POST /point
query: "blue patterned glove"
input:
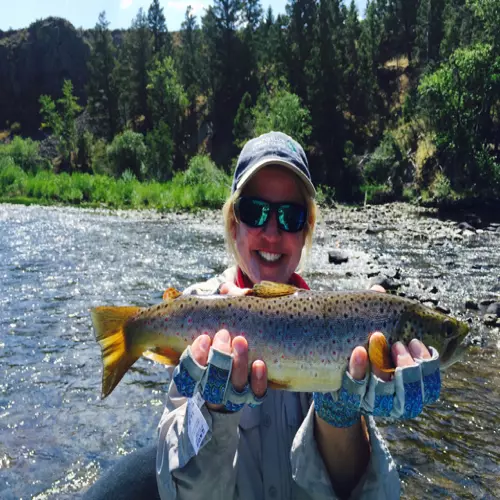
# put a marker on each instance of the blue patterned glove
(341, 408)
(403, 397)
(212, 381)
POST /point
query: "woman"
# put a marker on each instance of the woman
(288, 446)
(283, 445)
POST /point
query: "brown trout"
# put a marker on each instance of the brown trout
(304, 337)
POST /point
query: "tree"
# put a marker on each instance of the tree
(102, 87)
(229, 74)
(157, 24)
(488, 13)
(243, 128)
(135, 62)
(161, 152)
(60, 117)
(300, 43)
(167, 99)
(429, 30)
(281, 110)
(191, 69)
(459, 102)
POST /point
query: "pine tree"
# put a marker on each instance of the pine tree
(189, 59)
(102, 89)
(135, 62)
(228, 73)
(325, 89)
(60, 117)
(429, 30)
(158, 25)
(300, 43)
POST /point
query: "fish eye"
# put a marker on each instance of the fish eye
(448, 328)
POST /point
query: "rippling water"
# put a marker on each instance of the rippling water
(55, 263)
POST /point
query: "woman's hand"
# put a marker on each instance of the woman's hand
(238, 347)
(343, 408)
(402, 356)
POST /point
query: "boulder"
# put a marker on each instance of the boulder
(494, 309)
(337, 257)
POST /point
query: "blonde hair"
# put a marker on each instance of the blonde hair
(230, 226)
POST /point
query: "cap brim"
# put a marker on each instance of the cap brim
(265, 162)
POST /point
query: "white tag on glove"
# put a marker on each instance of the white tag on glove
(197, 425)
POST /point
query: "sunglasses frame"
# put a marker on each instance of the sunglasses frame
(273, 207)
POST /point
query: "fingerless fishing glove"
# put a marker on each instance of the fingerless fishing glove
(403, 397)
(212, 381)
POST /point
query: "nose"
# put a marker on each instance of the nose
(271, 230)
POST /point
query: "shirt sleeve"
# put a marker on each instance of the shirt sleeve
(183, 475)
(180, 473)
(380, 481)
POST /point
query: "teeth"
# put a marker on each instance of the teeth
(270, 257)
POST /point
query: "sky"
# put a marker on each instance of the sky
(83, 14)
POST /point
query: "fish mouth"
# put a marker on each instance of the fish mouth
(454, 351)
(449, 350)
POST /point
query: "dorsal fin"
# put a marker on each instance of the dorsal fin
(171, 294)
(269, 289)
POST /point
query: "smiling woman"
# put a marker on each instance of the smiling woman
(253, 439)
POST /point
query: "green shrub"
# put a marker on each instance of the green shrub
(12, 177)
(160, 153)
(202, 171)
(128, 152)
(100, 160)
(84, 183)
(387, 165)
(24, 153)
(85, 149)
(440, 190)
(281, 110)
(325, 195)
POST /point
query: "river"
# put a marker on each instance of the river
(57, 436)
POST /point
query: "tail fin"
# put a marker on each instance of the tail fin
(117, 357)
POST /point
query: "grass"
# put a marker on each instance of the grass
(45, 187)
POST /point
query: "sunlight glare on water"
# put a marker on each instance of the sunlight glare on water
(56, 263)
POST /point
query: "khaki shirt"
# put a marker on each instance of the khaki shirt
(268, 452)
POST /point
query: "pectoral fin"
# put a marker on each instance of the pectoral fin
(380, 354)
(164, 356)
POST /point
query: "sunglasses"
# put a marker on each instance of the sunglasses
(255, 212)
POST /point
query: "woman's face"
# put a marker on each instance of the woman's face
(269, 253)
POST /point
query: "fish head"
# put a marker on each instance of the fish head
(444, 333)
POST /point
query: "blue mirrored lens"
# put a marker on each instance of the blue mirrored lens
(255, 213)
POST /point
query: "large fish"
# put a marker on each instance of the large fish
(304, 337)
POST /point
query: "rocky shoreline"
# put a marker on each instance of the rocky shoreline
(430, 231)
